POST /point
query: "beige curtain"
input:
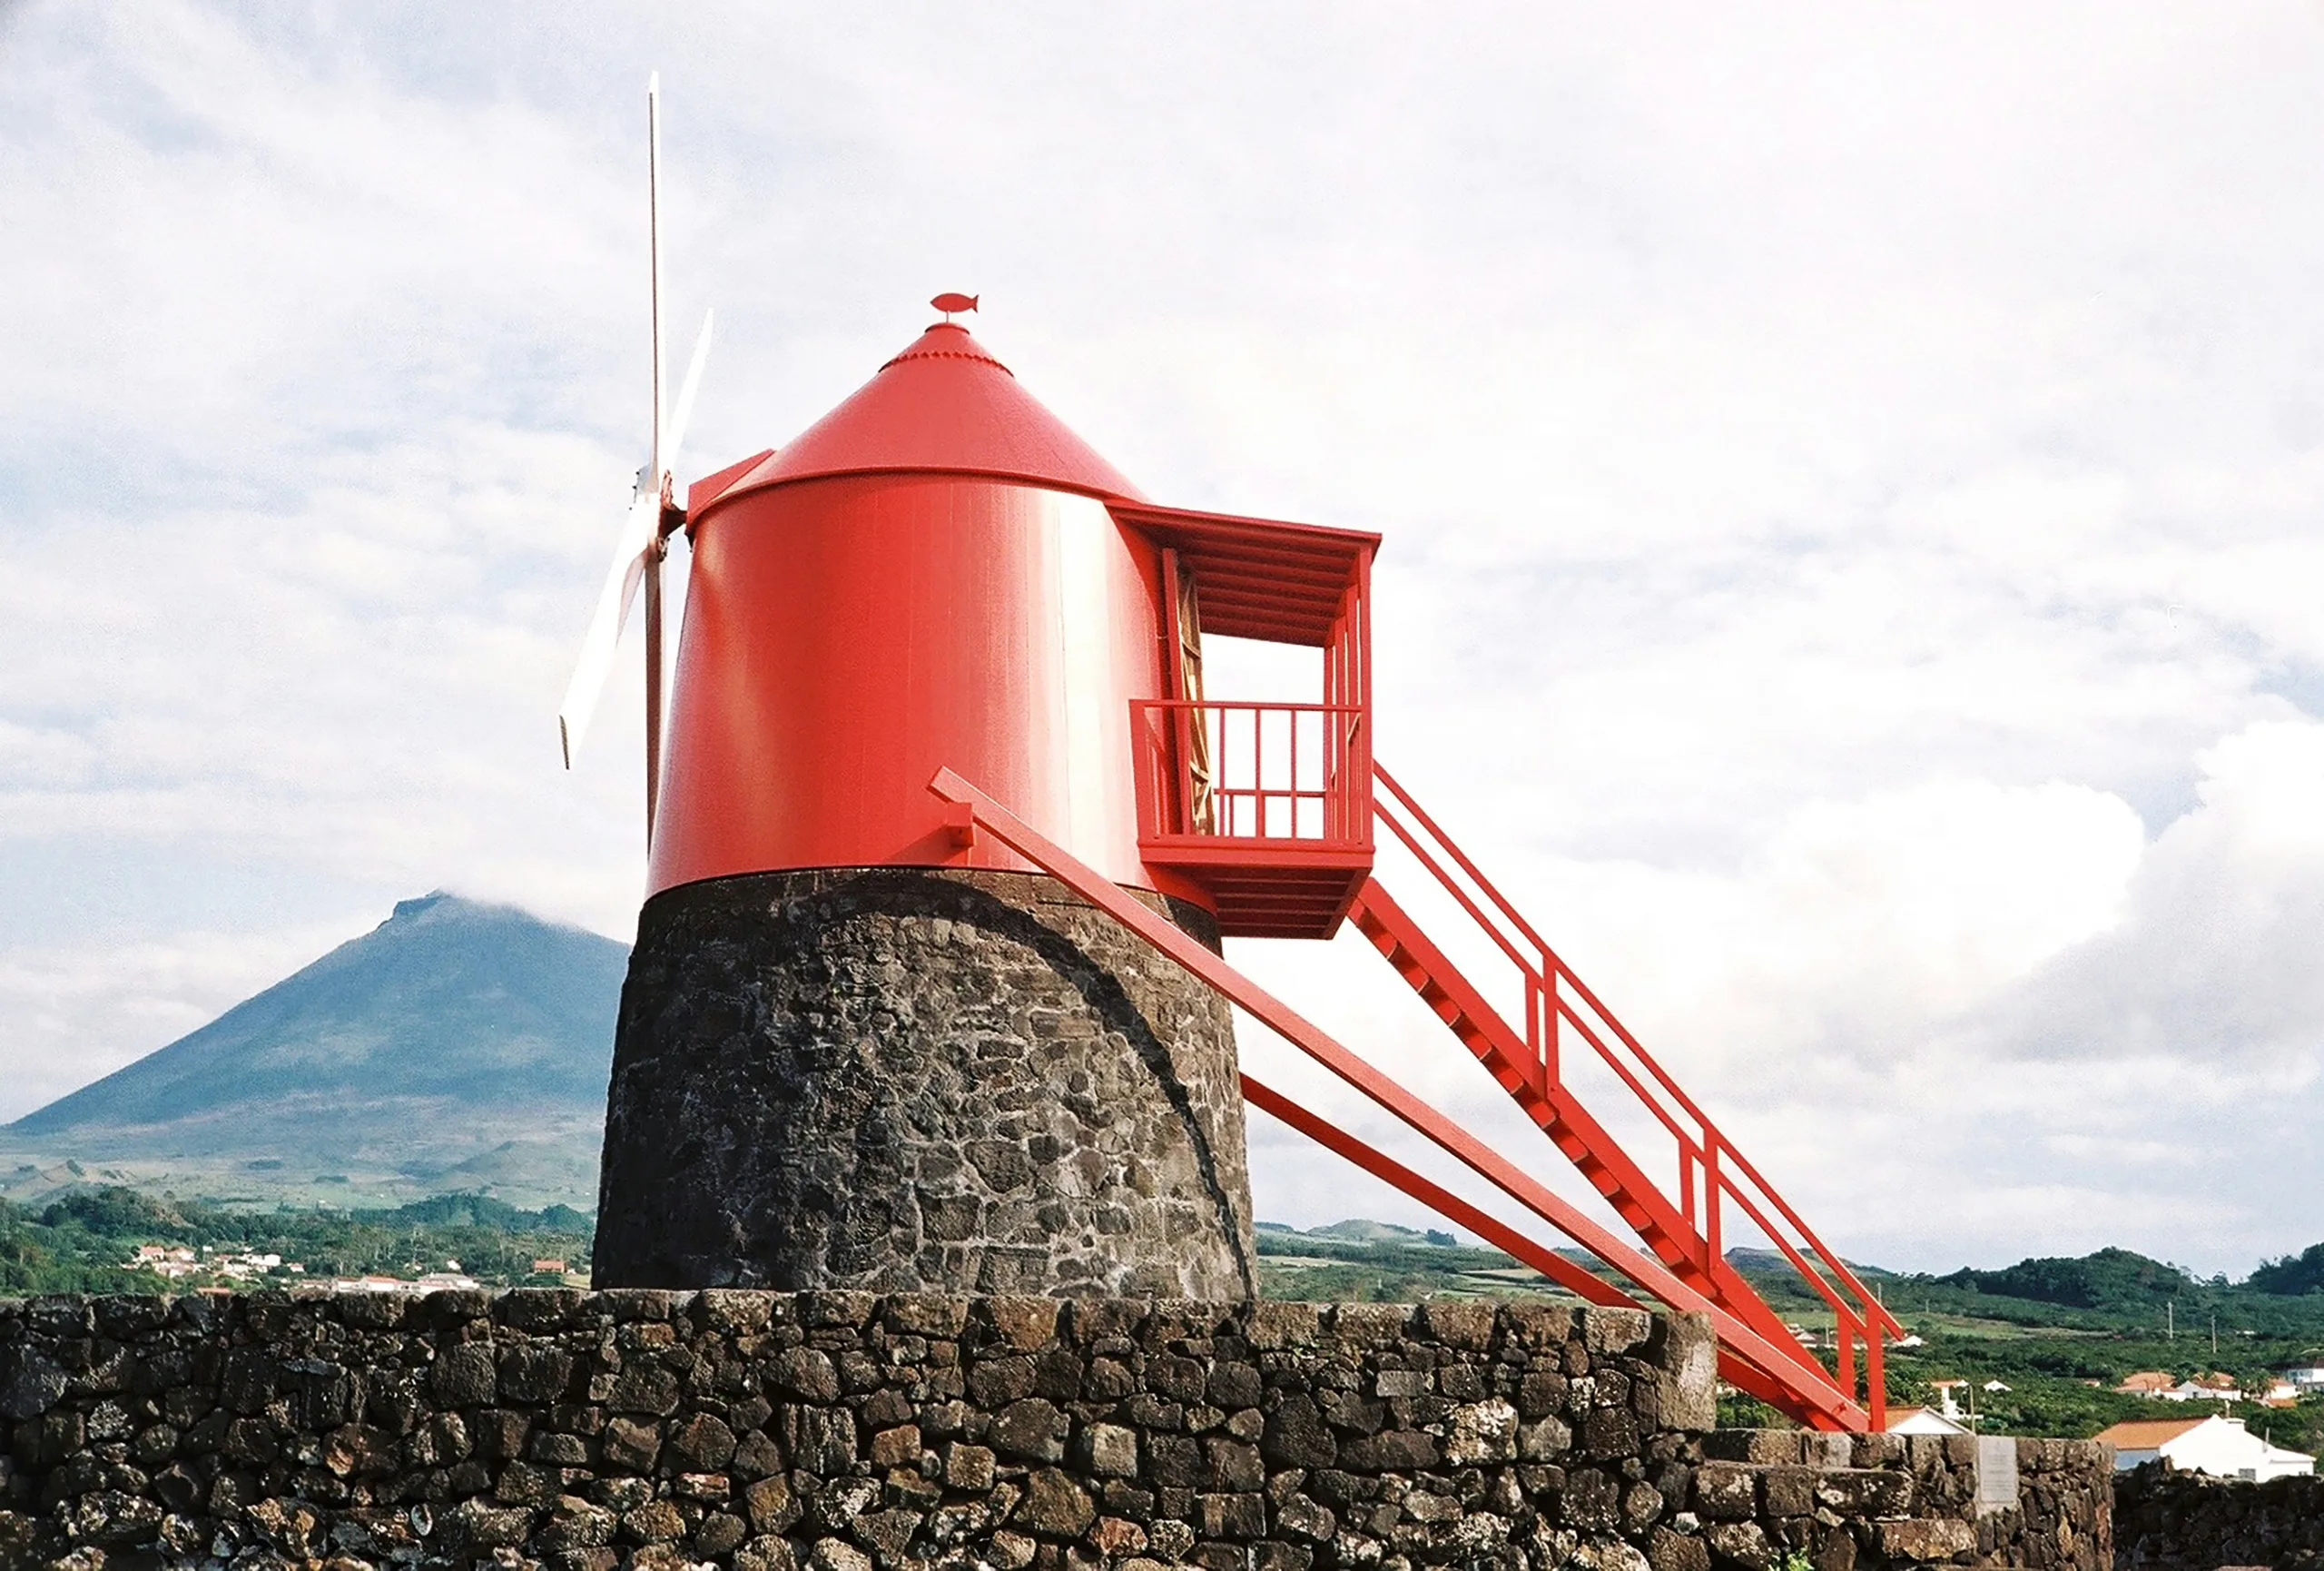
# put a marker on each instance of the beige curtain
(1201, 814)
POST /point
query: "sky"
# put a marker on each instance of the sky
(1850, 475)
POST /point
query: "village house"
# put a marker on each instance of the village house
(1921, 1421)
(167, 1262)
(2210, 1388)
(2160, 1387)
(2220, 1446)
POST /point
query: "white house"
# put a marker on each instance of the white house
(2222, 1448)
(2307, 1379)
(443, 1281)
(1921, 1421)
(2211, 1388)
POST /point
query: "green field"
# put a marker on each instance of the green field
(2059, 1333)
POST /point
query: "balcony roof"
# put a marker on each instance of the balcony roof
(1259, 577)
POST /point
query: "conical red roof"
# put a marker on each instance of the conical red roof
(942, 404)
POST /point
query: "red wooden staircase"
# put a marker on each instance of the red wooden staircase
(1681, 1227)
(1553, 1106)
(1683, 1266)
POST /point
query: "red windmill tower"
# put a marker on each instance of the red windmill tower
(940, 778)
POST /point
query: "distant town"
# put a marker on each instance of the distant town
(117, 1240)
(208, 1268)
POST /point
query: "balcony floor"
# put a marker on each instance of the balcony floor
(1268, 888)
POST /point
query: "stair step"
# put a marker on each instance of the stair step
(1495, 1044)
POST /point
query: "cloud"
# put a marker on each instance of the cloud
(2214, 966)
(1849, 489)
(77, 1013)
(2086, 1035)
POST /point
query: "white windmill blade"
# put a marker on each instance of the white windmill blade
(658, 459)
(675, 434)
(603, 638)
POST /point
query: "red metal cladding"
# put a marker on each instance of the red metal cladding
(942, 405)
(928, 575)
(939, 572)
(845, 637)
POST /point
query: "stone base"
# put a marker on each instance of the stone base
(902, 1079)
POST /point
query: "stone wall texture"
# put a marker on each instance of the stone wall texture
(1848, 1500)
(903, 1079)
(842, 1431)
(2173, 1521)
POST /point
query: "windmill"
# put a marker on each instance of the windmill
(653, 517)
(930, 985)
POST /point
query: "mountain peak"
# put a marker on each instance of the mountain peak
(446, 1033)
(434, 897)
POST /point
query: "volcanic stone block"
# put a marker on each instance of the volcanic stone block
(898, 1079)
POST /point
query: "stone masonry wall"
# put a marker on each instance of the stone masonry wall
(903, 1080)
(841, 1431)
(1845, 1501)
(2166, 1520)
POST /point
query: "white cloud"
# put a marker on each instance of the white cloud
(76, 1013)
(1844, 473)
(2214, 970)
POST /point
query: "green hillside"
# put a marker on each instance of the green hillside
(2111, 1279)
(84, 1242)
(2058, 1333)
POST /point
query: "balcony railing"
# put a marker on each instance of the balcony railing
(1287, 775)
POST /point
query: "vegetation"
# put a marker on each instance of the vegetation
(1375, 1262)
(2299, 1274)
(79, 1242)
(2058, 1334)
(2111, 1279)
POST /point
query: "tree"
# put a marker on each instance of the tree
(2293, 1274)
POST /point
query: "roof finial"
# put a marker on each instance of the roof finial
(950, 303)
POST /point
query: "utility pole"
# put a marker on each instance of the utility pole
(2171, 1320)
(2214, 1334)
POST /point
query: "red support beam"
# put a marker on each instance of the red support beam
(1579, 1280)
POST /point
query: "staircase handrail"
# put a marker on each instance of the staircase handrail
(1707, 1146)
(1821, 1401)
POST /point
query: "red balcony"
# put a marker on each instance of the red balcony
(1267, 806)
